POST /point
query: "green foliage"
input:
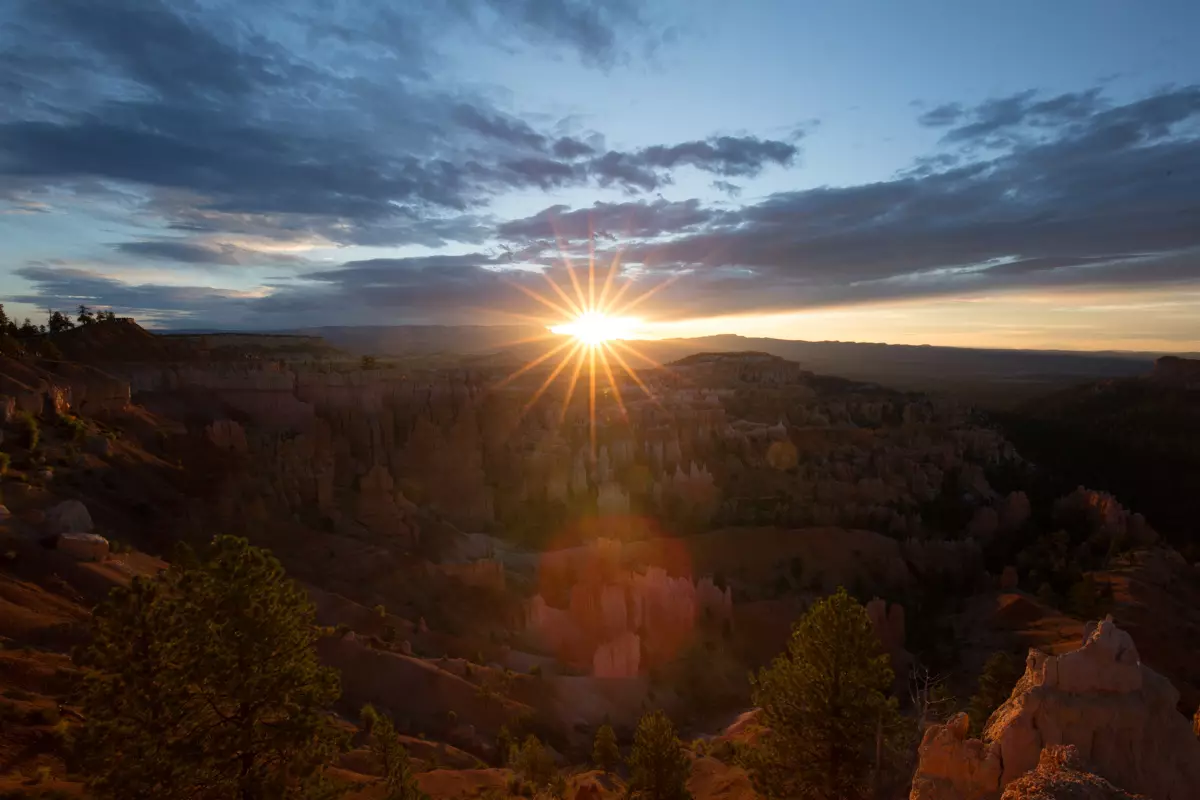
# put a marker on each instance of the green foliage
(204, 683)
(76, 426)
(30, 429)
(58, 322)
(825, 708)
(533, 761)
(398, 779)
(5, 461)
(1000, 674)
(536, 670)
(658, 766)
(504, 745)
(605, 754)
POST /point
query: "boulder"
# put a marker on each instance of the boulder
(69, 516)
(1120, 716)
(1062, 775)
(84, 546)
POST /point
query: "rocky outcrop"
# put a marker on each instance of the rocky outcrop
(69, 516)
(1119, 714)
(1062, 775)
(83, 546)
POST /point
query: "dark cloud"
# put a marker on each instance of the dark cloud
(196, 252)
(1005, 120)
(326, 119)
(942, 116)
(607, 220)
(725, 187)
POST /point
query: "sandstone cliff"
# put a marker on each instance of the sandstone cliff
(1119, 715)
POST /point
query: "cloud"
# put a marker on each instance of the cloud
(327, 120)
(1004, 120)
(196, 252)
(633, 220)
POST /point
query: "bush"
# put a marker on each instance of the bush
(1000, 674)
(31, 431)
(5, 461)
(75, 426)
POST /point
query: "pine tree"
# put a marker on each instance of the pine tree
(1000, 674)
(825, 707)
(658, 767)
(533, 762)
(605, 754)
(203, 684)
(398, 778)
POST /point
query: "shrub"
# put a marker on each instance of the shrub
(31, 431)
(5, 460)
(1000, 674)
(75, 426)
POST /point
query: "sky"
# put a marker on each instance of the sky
(1021, 174)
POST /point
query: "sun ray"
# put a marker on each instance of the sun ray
(544, 301)
(604, 290)
(592, 397)
(641, 298)
(574, 380)
(550, 379)
(578, 288)
(612, 381)
(533, 364)
(627, 347)
(636, 378)
(592, 267)
(576, 307)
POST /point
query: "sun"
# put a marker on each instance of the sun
(594, 328)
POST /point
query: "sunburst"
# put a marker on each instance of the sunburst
(598, 329)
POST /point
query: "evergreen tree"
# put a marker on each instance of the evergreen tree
(825, 707)
(605, 754)
(658, 766)
(85, 317)
(534, 763)
(1000, 674)
(398, 778)
(203, 684)
(58, 322)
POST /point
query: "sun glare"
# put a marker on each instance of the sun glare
(592, 317)
(594, 328)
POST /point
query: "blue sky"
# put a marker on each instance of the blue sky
(1016, 174)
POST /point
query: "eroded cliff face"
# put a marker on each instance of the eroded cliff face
(620, 622)
(1119, 715)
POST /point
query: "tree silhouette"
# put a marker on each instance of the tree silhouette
(1000, 674)
(658, 767)
(824, 704)
(204, 683)
(605, 754)
(398, 779)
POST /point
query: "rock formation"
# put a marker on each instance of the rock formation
(1120, 715)
(69, 516)
(1062, 775)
